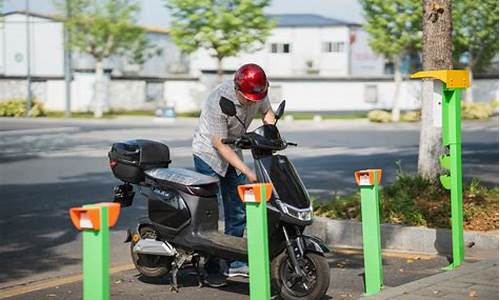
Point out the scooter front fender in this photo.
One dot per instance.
(314, 244)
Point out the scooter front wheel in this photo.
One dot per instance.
(289, 286)
(149, 265)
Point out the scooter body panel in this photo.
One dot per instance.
(167, 210)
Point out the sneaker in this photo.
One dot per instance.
(215, 280)
(241, 271)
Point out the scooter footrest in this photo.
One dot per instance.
(224, 245)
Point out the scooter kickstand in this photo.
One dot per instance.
(199, 274)
(176, 265)
(173, 278)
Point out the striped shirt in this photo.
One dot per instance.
(213, 122)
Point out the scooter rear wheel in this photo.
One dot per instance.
(149, 265)
(289, 287)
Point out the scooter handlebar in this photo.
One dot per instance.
(228, 141)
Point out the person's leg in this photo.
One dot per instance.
(236, 206)
(236, 220)
(202, 167)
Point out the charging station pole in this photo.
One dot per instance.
(255, 197)
(368, 181)
(95, 220)
(454, 81)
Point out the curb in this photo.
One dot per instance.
(398, 238)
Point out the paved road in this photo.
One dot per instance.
(345, 271)
(48, 166)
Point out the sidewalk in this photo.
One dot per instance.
(472, 281)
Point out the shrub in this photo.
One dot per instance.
(494, 104)
(379, 116)
(476, 111)
(411, 116)
(416, 201)
(342, 207)
(17, 108)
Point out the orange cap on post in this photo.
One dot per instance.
(251, 193)
(367, 177)
(90, 217)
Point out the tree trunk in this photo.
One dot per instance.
(220, 70)
(397, 83)
(437, 55)
(469, 97)
(99, 90)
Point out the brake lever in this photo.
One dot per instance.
(291, 144)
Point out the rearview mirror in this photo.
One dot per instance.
(227, 107)
(280, 110)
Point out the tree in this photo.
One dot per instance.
(437, 55)
(475, 35)
(103, 29)
(394, 28)
(224, 27)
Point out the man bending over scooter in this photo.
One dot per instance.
(248, 90)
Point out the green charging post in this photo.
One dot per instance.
(255, 197)
(95, 220)
(368, 182)
(447, 115)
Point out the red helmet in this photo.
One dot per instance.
(251, 81)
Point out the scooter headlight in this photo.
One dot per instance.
(304, 214)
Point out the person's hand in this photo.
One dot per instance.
(252, 178)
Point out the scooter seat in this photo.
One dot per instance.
(186, 180)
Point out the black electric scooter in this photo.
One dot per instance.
(182, 226)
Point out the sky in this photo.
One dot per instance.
(155, 14)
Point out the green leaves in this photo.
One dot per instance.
(105, 28)
(475, 31)
(394, 26)
(225, 27)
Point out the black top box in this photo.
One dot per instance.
(129, 159)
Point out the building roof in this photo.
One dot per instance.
(282, 20)
(306, 20)
(34, 14)
(59, 18)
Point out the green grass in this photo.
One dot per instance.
(76, 115)
(332, 116)
(415, 201)
(196, 114)
(147, 113)
(113, 114)
(108, 115)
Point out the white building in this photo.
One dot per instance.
(46, 49)
(46, 45)
(305, 44)
(131, 86)
(315, 63)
